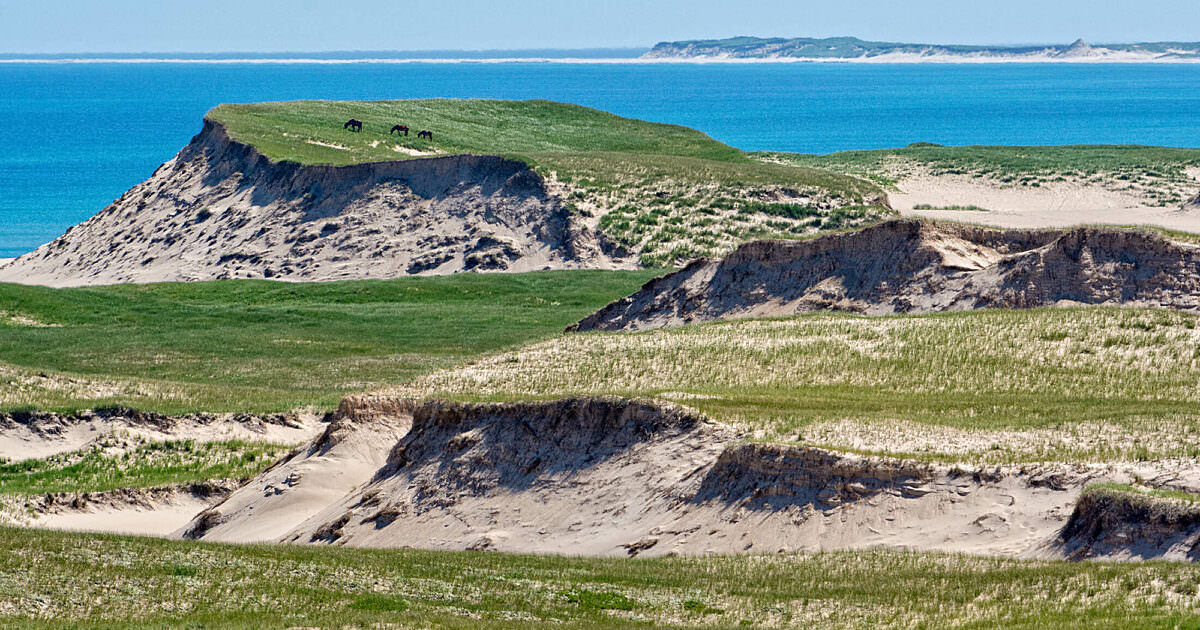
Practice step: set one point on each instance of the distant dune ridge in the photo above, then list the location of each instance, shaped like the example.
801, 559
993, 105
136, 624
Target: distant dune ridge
914, 266
854, 49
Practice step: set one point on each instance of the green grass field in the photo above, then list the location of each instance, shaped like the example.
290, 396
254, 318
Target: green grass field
679, 193
1158, 172
1078, 384
59, 580
261, 346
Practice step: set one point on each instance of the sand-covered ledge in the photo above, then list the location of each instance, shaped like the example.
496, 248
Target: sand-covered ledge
1053, 204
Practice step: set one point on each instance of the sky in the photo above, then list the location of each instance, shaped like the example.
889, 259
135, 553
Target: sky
58, 26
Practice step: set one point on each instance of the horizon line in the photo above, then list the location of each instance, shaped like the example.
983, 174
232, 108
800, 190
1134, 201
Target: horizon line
534, 49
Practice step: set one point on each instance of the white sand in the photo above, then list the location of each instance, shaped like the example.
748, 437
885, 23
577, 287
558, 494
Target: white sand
159, 520
327, 145
414, 152
19, 443
334, 464
1056, 204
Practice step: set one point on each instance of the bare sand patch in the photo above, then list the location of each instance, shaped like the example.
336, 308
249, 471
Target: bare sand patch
17, 319
52, 434
1052, 204
157, 520
414, 152
350, 450
327, 144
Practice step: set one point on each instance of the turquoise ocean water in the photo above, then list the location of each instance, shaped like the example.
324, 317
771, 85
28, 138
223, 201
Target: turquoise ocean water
74, 136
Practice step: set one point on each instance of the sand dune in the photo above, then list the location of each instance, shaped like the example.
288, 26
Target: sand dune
613, 477
220, 209
1050, 205
910, 266
29, 435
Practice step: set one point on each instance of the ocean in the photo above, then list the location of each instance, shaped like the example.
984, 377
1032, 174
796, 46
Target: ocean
74, 136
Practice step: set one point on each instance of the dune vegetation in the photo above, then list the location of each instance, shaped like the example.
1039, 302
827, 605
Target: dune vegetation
1075, 384
673, 193
61, 580
114, 463
1158, 173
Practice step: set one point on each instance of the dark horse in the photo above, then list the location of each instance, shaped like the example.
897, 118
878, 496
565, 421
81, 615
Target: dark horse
353, 125
425, 133
399, 129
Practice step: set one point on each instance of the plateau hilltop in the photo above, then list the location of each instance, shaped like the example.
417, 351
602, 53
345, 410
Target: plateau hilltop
295, 191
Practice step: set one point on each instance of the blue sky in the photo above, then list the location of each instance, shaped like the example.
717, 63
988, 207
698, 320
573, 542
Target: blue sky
47, 26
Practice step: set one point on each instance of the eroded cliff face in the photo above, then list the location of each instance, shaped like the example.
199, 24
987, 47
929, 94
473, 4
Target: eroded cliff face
910, 266
612, 476
353, 446
1129, 526
220, 209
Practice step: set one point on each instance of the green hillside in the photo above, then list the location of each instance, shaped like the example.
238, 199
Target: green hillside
674, 193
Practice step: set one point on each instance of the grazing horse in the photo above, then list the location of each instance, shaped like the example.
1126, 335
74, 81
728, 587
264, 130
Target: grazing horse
353, 125
425, 133
399, 129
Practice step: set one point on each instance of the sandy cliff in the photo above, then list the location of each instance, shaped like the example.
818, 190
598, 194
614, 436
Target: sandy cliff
911, 266
220, 209
613, 476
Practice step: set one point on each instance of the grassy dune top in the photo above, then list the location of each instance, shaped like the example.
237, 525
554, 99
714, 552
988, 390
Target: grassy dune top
673, 193
261, 346
1080, 384
521, 129
62, 580
1158, 170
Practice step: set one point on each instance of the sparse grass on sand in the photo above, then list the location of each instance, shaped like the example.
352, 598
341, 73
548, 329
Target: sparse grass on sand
674, 193
114, 463
1074, 384
245, 346
1158, 173
61, 580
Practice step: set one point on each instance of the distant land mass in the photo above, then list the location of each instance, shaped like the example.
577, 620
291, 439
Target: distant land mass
854, 49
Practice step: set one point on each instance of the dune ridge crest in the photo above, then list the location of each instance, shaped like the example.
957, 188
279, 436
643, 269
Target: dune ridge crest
912, 266
620, 477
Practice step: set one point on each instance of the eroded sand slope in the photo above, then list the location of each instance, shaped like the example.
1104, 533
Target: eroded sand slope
220, 209
353, 446
912, 266
155, 511
622, 477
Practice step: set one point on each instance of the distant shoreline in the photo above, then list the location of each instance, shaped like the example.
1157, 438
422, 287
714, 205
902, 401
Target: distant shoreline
878, 60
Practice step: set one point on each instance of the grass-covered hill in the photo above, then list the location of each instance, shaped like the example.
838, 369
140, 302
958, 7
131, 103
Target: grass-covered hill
665, 192
1158, 172
283, 130
1080, 384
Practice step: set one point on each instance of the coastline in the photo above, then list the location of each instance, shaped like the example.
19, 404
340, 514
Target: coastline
881, 59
